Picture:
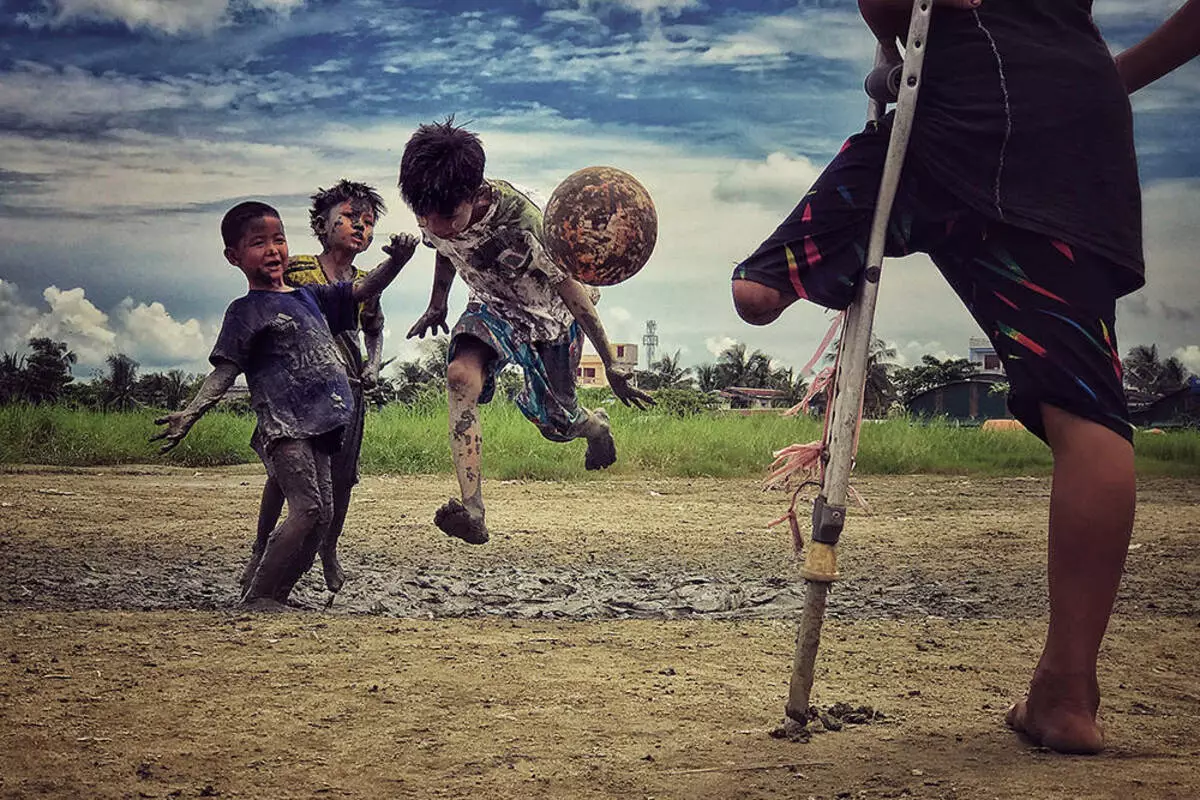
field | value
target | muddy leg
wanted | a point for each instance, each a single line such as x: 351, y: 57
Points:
x: 464, y: 380
x: 303, y: 560
x: 296, y: 468
x: 269, y: 509
x: 331, y: 566
x: 1091, y: 517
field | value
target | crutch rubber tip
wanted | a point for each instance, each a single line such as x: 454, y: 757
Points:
x: 883, y: 83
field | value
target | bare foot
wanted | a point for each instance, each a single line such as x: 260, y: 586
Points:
x: 456, y: 520
x: 1049, y: 716
x: 601, y: 449
x: 335, y: 578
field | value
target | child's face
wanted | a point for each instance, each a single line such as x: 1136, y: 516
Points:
x: 447, y: 227
x: 262, y: 253
x: 350, y: 226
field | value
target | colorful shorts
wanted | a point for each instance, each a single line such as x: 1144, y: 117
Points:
x: 1047, y: 307
x: 548, y: 397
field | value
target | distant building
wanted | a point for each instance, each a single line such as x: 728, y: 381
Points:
x: 981, y: 353
x: 967, y: 401
x: 590, y: 371
x: 751, y: 399
x: 1179, y: 408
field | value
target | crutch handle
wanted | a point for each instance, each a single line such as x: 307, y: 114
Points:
x: 882, y: 84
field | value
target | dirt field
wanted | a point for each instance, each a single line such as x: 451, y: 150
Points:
x: 617, y: 638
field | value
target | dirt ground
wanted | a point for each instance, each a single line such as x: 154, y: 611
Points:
x: 617, y: 638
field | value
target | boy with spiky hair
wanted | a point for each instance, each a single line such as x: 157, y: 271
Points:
x: 283, y: 340
x: 343, y: 219
x: 523, y: 310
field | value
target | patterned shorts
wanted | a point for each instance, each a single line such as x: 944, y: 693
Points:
x: 1047, y: 307
x: 548, y: 396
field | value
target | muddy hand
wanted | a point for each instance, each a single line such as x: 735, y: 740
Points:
x: 618, y: 381
x: 430, y: 321
x: 178, y: 424
x: 401, y: 248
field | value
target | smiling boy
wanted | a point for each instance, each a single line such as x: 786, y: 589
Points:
x: 283, y: 340
x: 343, y: 219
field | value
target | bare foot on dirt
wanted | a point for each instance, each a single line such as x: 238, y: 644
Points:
x: 1049, y: 716
x: 335, y: 578
x: 601, y: 449
x: 458, y: 521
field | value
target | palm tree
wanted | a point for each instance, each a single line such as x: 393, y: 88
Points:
x: 118, y: 389
x: 176, y: 389
x: 47, y: 370
x: 434, y: 358
x: 707, y: 376
x: 1142, y: 367
x: 878, y: 391
x: 12, y: 365
x: 670, y: 374
x: 736, y: 367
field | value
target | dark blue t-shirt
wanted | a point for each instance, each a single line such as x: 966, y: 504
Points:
x: 283, y: 342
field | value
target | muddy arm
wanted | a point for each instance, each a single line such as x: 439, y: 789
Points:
x: 576, y: 299
x: 211, y: 391
x: 435, y: 315
x: 399, y: 251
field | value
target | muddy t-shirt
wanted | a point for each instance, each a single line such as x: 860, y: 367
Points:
x: 1023, y: 117
x: 283, y: 342
x: 503, y: 263
x: 306, y: 271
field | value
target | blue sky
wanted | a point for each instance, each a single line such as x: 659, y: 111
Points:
x: 127, y: 127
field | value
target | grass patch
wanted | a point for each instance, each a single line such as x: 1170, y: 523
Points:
x: 407, y: 440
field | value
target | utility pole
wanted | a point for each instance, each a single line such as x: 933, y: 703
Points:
x: 650, y: 342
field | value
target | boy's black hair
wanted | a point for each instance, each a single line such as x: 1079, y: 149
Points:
x: 442, y: 168
x: 237, y: 220
x: 359, y: 194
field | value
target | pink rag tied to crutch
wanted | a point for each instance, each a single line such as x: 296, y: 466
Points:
x: 804, y: 462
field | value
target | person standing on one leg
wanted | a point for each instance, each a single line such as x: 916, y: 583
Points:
x: 1020, y: 182
x: 523, y: 310
x: 343, y: 219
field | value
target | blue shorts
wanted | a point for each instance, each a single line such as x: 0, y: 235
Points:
x: 548, y: 397
x: 1047, y: 307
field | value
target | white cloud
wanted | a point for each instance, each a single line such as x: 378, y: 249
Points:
x: 776, y: 184
x: 145, y: 332
x: 172, y: 17
x: 1190, y: 357
x: 719, y: 344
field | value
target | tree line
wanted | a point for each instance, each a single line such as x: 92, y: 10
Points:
x: 44, y: 375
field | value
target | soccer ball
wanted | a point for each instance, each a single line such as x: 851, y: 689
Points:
x: 600, y: 225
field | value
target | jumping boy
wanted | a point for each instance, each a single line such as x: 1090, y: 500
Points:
x: 523, y: 310
x: 283, y: 339
x: 1021, y: 184
x: 343, y: 219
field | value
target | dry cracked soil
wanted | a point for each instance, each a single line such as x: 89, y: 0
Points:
x: 618, y: 637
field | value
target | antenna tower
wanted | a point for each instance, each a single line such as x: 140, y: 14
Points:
x: 650, y: 342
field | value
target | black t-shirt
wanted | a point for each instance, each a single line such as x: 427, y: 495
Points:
x: 283, y: 342
x: 1023, y: 117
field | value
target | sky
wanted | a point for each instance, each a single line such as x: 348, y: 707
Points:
x: 128, y: 127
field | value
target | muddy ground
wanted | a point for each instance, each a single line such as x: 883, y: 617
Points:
x: 617, y: 638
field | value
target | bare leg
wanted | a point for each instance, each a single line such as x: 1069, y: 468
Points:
x: 758, y: 304
x: 303, y: 476
x: 269, y: 509
x: 1091, y: 518
x: 464, y: 382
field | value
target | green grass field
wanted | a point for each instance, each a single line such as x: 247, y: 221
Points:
x: 400, y: 440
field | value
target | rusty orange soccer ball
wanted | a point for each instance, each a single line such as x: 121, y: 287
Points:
x: 600, y: 225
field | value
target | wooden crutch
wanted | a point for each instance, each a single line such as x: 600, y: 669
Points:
x: 829, y: 508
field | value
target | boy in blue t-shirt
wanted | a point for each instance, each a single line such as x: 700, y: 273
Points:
x: 282, y: 339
